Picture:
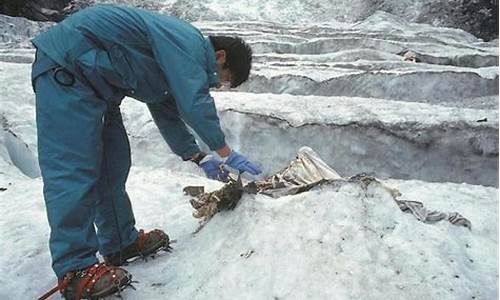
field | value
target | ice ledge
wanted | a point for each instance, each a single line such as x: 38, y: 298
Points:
x: 341, y: 111
x: 389, y: 139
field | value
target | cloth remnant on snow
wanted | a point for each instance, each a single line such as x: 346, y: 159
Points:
x: 209, y: 204
x: 304, y: 173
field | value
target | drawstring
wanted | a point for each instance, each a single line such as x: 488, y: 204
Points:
x: 63, y: 77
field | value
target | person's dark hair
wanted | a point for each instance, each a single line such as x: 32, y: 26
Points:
x: 238, y: 57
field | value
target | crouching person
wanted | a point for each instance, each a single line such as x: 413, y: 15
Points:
x: 84, y: 67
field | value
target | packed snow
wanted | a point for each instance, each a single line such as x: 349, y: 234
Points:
x: 323, y: 244
x: 429, y: 129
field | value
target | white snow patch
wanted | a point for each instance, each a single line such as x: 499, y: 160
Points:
x: 299, y: 110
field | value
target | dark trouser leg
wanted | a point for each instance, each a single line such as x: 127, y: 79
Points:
x: 115, y: 219
x: 69, y: 124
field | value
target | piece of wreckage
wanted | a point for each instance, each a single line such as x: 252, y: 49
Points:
x: 306, y: 172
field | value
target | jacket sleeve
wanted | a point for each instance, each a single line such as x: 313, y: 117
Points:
x: 180, y: 53
x: 173, y: 129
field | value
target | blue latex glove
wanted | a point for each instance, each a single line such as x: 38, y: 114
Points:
x: 213, y: 168
x: 241, y: 163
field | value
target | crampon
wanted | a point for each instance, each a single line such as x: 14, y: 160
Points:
x: 147, y: 245
x: 94, y: 282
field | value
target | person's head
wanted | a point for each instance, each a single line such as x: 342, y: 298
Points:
x: 234, y: 58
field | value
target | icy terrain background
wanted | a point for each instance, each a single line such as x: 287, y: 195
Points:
x: 428, y: 128
x: 479, y: 17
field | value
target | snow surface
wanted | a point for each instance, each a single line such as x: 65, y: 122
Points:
x: 371, y: 112
x: 323, y: 244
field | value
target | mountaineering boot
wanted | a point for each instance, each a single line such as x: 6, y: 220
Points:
x: 94, y: 282
x: 146, y: 244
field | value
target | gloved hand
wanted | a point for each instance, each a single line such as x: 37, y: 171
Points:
x: 241, y: 163
x: 213, y: 168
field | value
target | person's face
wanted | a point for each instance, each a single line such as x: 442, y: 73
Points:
x: 224, y: 73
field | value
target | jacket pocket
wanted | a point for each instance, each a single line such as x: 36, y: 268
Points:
x: 97, y: 68
x: 122, y: 68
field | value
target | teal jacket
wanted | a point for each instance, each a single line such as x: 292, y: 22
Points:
x: 160, y: 60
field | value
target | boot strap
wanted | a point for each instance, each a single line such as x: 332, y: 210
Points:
x: 87, y: 283
x: 90, y: 279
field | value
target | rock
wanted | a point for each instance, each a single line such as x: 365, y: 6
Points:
x: 479, y: 17
x: 40, y: 10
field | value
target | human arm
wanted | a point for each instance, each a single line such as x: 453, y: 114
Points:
x: 186, y: 60
x: 181, y: 54
x: 173, y: 129
x: 182, y: 142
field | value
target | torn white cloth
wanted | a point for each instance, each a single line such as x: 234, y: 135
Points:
x: 305, y: 172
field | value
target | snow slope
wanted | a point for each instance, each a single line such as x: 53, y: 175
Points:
x: 324, y: 244
x: 341, y: 88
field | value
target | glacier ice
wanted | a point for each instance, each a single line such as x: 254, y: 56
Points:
x: 430, y: 129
